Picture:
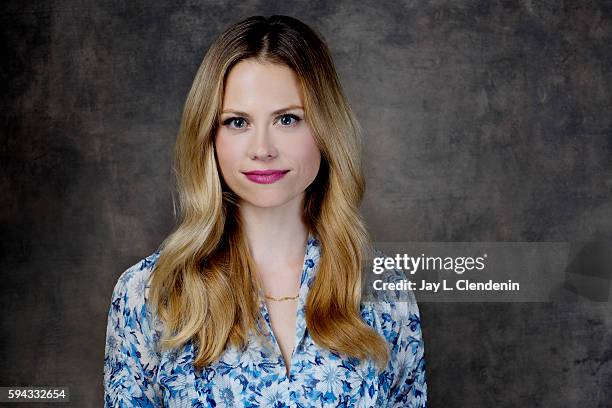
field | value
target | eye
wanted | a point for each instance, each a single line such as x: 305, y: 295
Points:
x: 286, y: 119
x: 238, y: 122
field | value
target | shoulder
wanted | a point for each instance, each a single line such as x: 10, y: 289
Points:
x: 134, y: 281
x: 129, y: 306
x: 390, y: 312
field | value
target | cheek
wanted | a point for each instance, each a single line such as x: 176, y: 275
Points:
x: 227, y: 154
x: 310, y: 157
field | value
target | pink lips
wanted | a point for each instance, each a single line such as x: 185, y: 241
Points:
x: 265, y: 176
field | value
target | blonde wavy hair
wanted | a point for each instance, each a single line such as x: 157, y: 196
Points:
x: 203, y: 286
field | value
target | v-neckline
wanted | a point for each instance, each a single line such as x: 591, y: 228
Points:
x: 306, y: 278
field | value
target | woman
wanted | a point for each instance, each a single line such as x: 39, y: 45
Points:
x: 255, y: 299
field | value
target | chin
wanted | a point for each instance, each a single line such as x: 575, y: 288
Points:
x: 267, y: 201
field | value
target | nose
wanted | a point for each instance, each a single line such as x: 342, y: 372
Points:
x: 262, y: 146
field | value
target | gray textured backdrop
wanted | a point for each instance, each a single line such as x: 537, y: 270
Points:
x: 485, y: 121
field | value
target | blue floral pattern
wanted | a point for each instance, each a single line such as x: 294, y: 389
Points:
x: 136, y: 374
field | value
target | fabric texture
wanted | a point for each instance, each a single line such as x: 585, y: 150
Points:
x: 136, y: 374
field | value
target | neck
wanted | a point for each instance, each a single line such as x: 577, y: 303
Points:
x: 276, y: 235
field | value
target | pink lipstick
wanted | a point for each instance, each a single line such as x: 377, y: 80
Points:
x: 265, y: 176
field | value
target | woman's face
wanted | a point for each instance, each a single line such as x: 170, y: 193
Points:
x: 265, y: 149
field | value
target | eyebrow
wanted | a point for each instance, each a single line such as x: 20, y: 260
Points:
x: 276, y: 112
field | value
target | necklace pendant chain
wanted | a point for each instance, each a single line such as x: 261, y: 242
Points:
x: 281, y: 299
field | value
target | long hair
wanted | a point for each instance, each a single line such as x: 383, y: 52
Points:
x: 203, y: 286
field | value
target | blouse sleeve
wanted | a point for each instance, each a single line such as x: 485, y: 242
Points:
x: 401, y: 325
x: 130, y: 360
x: 409, y: 385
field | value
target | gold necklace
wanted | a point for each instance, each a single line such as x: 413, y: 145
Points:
x: 281, y: 299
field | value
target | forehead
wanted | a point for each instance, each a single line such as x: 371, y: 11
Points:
x: 251, y: 84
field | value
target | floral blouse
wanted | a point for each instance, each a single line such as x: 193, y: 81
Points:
x: 136, y: 374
